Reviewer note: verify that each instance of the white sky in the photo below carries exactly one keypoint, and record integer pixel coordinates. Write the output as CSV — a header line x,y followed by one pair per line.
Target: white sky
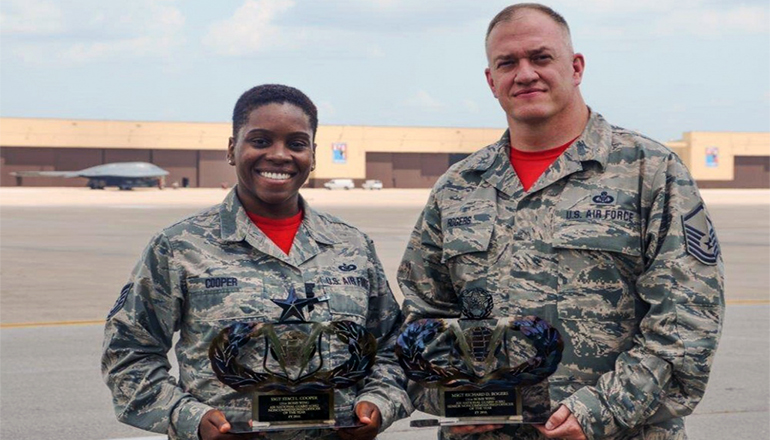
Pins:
x,y
662,67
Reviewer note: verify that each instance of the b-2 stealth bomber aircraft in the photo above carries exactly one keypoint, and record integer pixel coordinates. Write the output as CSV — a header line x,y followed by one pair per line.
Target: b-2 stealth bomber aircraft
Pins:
x,y
124,175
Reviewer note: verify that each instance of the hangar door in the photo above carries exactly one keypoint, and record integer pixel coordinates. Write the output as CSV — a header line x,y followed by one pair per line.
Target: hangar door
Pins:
x,y
752,172
409,170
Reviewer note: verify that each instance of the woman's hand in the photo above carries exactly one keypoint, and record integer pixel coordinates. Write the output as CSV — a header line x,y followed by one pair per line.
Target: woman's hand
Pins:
x,y
214,426
369,415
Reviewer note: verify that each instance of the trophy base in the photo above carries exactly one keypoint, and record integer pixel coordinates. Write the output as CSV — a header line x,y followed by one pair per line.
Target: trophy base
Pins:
x,y
255,427
455,421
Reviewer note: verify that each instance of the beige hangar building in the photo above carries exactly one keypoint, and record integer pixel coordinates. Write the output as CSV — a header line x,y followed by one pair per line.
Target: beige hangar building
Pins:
x,y
401,157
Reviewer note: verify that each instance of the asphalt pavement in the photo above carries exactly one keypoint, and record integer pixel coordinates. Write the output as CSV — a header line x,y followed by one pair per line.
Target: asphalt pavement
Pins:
x,y
62,266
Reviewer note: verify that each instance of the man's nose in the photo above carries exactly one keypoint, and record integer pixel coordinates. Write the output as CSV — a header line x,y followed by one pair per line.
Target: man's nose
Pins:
x,y
526,73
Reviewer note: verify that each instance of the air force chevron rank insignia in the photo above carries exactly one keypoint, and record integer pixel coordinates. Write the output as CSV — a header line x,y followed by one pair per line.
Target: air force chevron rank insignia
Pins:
x,y
700,237
121,300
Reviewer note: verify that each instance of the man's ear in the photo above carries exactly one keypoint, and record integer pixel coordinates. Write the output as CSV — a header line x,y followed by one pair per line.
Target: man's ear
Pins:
x,y
578,67
490,81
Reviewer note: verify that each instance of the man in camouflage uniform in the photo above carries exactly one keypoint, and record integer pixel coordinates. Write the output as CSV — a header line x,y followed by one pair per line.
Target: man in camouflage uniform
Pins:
x,y
217,268
612,245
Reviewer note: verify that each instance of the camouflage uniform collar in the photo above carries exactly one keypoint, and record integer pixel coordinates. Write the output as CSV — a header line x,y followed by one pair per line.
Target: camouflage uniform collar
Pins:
x,y
236,224
317,227
593,144
233,219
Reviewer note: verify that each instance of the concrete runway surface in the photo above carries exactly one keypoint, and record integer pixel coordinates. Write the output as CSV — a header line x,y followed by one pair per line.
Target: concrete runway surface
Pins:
x,y
66,252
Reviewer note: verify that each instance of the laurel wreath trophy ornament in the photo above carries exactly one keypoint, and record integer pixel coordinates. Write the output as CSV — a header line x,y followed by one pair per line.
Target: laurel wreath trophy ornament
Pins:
x,y
469,363
293,388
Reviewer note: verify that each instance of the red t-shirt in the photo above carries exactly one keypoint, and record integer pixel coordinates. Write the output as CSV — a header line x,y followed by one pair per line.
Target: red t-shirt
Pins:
x,y
280,230
530,165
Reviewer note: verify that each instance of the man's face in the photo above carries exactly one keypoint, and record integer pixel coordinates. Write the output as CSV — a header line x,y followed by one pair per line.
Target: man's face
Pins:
x,y
532,70
273,154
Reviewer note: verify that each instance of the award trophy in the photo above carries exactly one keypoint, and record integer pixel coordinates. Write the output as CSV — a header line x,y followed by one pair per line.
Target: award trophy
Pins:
x,y
294,387
470,364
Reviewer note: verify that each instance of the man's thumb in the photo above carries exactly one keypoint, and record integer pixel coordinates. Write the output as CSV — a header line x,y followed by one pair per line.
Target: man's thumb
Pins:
x,y
557,418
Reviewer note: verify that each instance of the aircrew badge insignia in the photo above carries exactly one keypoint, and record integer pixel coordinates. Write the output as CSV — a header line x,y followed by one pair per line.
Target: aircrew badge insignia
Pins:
x,y
700,238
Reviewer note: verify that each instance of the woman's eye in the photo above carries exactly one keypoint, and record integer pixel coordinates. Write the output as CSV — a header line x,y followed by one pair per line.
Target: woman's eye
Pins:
x,y
260,142
297,145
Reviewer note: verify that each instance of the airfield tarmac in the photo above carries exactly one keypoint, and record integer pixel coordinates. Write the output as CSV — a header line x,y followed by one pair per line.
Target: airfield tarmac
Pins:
x,y
66,252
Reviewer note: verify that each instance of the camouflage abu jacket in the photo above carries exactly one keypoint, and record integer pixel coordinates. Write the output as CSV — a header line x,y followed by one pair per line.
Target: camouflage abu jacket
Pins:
x,y
216,268
612,245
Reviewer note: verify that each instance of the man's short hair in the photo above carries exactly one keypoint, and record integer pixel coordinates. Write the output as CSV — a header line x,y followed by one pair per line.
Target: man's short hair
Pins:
x,y
508,13
272,94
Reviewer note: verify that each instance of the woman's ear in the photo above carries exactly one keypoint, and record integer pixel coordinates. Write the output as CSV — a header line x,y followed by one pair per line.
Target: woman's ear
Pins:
x,y
312,166
231,151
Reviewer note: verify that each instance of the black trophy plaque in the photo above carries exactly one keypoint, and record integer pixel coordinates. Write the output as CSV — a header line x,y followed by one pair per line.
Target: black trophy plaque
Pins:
x,y
293,387
468,362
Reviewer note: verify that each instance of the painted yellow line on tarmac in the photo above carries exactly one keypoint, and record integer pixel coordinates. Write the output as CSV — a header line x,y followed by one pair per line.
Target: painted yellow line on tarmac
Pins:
x,y
101,321
50,324
748,301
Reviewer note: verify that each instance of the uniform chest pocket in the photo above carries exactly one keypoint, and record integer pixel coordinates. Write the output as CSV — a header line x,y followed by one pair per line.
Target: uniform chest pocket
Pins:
x,y
224,299
467,230
470,257
348,296
468,247
597,270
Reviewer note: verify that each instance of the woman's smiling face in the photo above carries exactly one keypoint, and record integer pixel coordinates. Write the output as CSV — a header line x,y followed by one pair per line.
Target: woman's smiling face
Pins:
x,y
273,154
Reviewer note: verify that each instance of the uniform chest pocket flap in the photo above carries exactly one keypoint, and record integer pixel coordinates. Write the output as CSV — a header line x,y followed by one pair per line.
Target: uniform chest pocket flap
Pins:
x,y
213,299
347,303
468,229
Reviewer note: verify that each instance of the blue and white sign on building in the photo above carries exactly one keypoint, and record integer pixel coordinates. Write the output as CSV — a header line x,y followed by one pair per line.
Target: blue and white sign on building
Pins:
x,y
712,157
339,152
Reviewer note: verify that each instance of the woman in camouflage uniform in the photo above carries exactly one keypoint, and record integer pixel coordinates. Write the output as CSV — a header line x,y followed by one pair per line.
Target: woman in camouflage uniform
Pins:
x,y
250,259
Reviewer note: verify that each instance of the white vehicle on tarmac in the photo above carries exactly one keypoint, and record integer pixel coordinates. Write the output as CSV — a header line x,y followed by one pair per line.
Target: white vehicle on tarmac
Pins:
x,y
372,184
339,184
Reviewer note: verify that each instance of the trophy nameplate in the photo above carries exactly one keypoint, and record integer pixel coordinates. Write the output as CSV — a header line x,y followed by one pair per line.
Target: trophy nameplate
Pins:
x,y
293,387
470,365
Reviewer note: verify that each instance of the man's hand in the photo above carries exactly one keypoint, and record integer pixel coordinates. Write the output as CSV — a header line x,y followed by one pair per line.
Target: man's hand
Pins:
x,y
473,429
369,415
214,426
562,424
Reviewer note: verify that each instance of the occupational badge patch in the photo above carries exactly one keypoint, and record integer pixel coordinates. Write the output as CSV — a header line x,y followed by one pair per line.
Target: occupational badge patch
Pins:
x,y
700,238
604,198
121,300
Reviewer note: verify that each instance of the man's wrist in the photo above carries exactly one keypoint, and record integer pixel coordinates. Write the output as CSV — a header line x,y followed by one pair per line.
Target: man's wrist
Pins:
x,y
587,408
